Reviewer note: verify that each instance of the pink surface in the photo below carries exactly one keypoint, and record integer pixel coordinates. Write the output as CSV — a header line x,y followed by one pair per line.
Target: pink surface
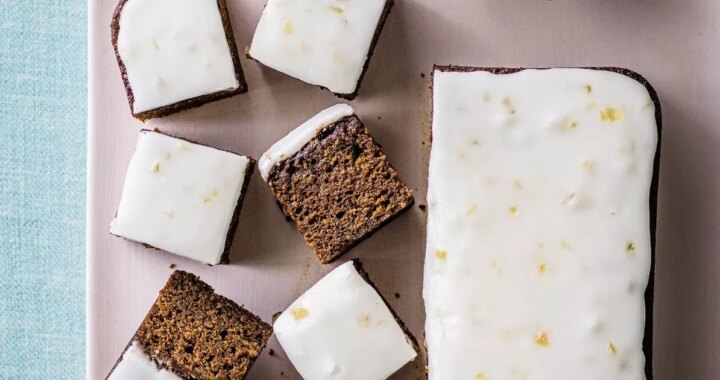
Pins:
x,y
675,44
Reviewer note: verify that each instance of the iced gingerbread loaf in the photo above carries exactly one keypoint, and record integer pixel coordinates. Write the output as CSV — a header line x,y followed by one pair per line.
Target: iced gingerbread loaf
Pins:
x,y
541,223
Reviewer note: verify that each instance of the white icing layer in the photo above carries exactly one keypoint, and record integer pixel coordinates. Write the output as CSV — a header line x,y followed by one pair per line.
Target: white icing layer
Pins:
x,y
538,239
136,365
297,138
174,50
180,197
321,42
341,329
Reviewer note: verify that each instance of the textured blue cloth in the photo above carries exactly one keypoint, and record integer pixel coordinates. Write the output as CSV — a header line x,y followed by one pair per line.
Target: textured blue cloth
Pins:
x,y
42,188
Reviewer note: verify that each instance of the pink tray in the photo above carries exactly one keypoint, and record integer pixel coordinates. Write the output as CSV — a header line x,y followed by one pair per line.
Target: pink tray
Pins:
x,y
675,44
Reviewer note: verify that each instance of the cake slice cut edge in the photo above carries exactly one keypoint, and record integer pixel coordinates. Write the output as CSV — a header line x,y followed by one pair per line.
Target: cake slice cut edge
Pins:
x,y
332,179
191,332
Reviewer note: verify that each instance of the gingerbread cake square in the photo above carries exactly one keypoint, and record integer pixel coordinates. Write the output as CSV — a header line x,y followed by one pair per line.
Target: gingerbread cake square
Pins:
x,y
332,179
542,196
192,333
175,54
342,328
327,43
182,197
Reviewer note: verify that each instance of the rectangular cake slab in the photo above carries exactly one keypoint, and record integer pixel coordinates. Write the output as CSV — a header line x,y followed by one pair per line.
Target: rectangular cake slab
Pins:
x,y
673,43
540,240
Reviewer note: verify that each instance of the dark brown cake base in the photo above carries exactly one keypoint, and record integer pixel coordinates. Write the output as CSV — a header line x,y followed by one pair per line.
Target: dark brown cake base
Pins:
x,y
339,188
198,334
649,292
381,24
188,103
225,257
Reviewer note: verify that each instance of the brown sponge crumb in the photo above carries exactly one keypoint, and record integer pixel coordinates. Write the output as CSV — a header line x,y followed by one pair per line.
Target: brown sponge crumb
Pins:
x,y
339,188
198,334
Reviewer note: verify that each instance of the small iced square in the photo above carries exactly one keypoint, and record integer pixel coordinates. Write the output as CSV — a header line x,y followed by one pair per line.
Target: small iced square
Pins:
x,y
175,54
181,197
321,42
342,329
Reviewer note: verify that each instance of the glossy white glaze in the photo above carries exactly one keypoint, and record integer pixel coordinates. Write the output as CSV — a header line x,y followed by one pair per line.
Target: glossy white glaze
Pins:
x,y
297,138
180,197
341,329
135,364
174,50
321,42
538,240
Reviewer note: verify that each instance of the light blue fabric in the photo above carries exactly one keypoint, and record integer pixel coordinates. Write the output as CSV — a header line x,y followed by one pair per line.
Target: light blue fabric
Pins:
x,y
42,188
